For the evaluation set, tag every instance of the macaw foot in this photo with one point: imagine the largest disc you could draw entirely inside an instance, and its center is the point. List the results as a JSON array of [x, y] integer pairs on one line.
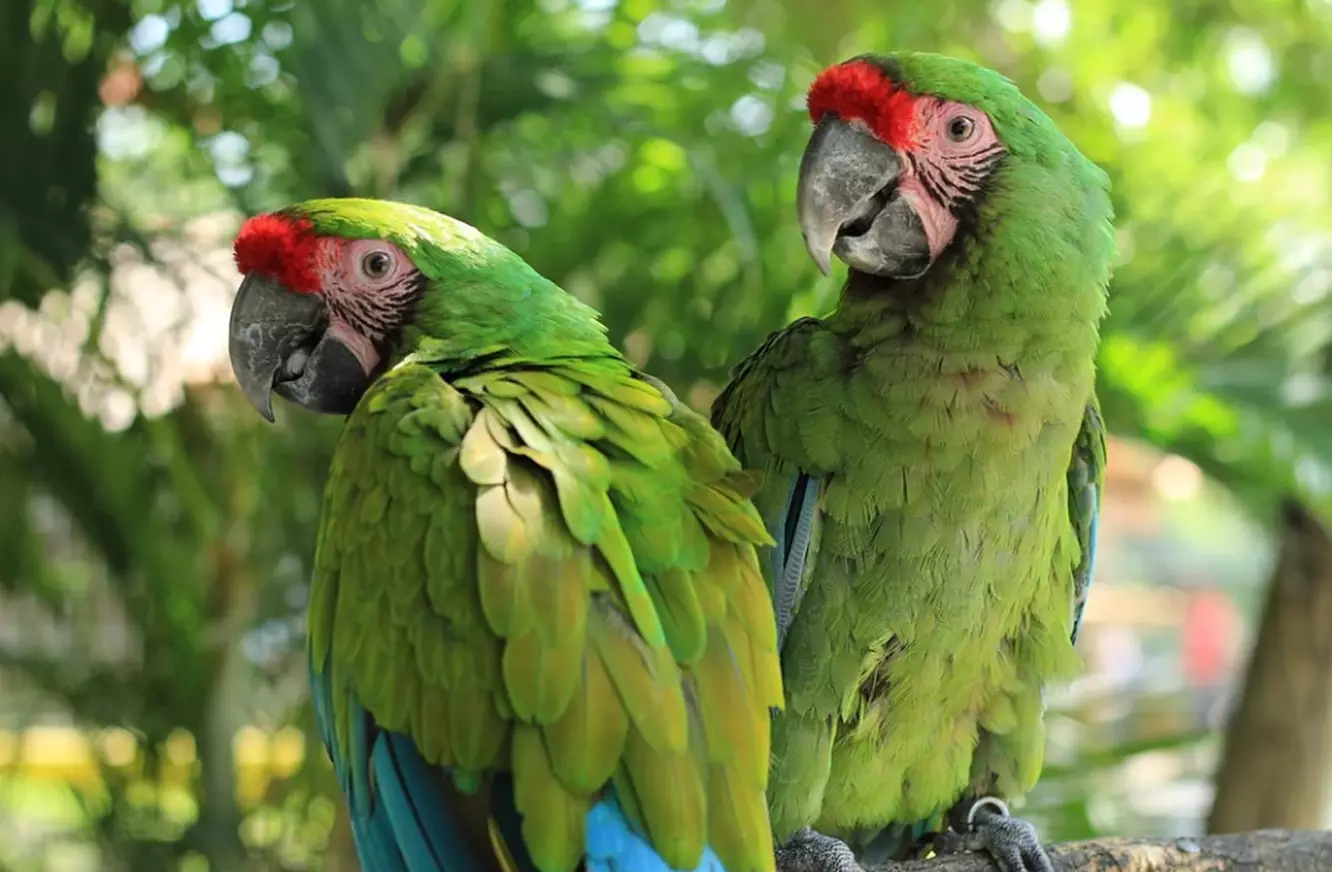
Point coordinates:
[[812, 851], [1011, 841]]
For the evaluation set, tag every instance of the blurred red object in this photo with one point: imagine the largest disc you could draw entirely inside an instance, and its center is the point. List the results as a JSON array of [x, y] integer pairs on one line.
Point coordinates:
[[1212, 626]]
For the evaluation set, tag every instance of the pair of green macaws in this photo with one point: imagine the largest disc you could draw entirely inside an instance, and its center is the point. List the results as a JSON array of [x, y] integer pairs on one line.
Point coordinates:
[[559, 619]]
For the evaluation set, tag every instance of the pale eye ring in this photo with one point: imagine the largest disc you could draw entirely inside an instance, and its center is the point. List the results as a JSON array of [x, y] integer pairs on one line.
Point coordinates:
[[377, 264], [960, 128]]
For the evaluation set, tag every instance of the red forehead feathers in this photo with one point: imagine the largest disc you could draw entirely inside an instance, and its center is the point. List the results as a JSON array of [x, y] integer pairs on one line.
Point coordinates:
[[859, 90], [280, 247]]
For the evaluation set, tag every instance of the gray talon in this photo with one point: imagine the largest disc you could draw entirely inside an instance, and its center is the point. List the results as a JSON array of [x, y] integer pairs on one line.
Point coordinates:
[[1012, 842], [811, 851]]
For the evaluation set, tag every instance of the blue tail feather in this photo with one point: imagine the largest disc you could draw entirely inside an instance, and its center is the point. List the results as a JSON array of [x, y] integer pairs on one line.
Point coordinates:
[[614, 845]]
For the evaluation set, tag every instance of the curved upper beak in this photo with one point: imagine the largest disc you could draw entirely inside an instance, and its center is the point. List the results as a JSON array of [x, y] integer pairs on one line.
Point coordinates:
[[848, 182], [281, 343], [269, 325]]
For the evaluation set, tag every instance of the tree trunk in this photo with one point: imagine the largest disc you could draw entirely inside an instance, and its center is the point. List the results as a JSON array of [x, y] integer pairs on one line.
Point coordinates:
[[1278, 749], [218, 826]]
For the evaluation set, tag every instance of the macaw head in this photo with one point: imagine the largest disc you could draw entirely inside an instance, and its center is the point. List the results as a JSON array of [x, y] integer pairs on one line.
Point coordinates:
[[337, 290], [912, 153]]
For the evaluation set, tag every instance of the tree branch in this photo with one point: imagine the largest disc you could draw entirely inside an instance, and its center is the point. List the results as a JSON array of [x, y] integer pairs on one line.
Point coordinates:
[[1265, 850]]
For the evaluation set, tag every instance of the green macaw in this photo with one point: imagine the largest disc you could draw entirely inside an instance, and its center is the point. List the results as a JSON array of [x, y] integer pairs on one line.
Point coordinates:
[[539, 635], [933, 459]]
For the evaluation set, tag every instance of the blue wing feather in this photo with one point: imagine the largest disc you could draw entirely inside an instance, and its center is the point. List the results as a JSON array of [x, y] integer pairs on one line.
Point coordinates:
[[1089, 573], [793, 534], [372, 832], [1086, 481], [410, 792], [395, 800]]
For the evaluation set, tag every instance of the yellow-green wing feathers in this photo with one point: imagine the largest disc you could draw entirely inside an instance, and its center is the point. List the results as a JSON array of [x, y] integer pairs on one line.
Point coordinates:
[[551, 570]]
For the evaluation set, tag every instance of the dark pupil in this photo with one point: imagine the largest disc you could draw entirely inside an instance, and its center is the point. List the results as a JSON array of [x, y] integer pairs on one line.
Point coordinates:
[[960, 128], [377, 264]]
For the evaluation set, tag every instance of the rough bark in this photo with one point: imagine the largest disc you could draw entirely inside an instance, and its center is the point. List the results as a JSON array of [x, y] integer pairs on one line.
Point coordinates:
[[1266, 850], [1278, 749]]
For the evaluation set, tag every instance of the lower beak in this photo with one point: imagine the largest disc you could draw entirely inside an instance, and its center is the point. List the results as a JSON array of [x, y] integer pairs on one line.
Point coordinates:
[[280, 343], [848, 182]]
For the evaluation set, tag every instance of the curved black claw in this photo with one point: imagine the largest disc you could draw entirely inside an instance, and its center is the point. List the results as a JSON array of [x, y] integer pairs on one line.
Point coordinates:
[[811, 851], [1011, 841]]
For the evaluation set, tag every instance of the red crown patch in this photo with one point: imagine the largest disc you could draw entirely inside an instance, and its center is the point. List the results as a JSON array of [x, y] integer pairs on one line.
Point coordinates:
[[859, 90], [280, 247]]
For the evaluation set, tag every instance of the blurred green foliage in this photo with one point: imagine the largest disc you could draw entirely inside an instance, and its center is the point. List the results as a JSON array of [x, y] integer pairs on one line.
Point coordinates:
[[643, 155]]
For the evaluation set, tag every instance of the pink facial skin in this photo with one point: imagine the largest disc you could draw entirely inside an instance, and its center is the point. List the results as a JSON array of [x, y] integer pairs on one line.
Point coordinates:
[[368, 284], [949, 152]]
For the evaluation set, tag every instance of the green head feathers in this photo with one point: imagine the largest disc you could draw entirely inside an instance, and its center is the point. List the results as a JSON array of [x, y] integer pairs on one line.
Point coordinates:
[[441, 245], [1026, 131]]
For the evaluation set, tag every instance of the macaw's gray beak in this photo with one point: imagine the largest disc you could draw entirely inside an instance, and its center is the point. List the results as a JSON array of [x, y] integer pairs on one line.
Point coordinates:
[[848, 204], [279, 343]]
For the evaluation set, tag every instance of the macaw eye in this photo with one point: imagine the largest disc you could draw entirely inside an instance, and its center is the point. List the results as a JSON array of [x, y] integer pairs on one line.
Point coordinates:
[[377, 264], [960, 128]]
